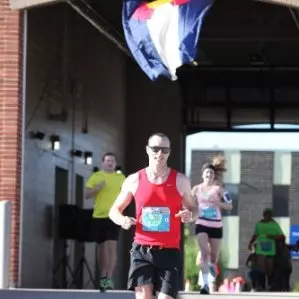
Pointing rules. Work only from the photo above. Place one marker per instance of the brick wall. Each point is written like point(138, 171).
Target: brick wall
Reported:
point(11, 120)
point(255, 195)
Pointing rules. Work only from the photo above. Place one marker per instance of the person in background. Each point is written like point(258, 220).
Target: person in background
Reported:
point(211, 198)
point(256, 276)
point(212, 278)
point(267, 232)
point(104, 186)
point(283, 265)
point(232, 285)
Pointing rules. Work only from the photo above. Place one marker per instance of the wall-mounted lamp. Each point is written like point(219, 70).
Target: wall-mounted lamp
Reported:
point(88, 158)
point(55, 142)
point(76, 153)
point(37, 135)
point(118, 169)
point(95, 169)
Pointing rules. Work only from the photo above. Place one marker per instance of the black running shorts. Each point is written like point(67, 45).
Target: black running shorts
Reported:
point(212, 232)
point(104, 229)
point(153, 265)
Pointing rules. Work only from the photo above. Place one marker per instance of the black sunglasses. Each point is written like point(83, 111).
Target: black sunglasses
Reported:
point(156, 149)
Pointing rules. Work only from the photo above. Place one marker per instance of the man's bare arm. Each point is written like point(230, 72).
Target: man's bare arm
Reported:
point(184, 188)
point(193, 193)
point(124, 199)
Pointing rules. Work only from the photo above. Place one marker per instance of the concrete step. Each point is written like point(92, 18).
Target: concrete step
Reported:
point(92, 294)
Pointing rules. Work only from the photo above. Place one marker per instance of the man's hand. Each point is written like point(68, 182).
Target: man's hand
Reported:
point(128, 222)
point(185, 215)
point(100, 185)
point(93, 191)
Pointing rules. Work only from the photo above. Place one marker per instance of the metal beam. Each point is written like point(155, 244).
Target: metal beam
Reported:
point(232, 105)
point(240, 77)
point(228, 106)
point(239, 68)
point(272, 108)
point(248, 40)
point(89, 14)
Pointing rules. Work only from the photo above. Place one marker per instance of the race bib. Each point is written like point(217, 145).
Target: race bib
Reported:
point(266, 246)
point(156, 219)
point(209, 213)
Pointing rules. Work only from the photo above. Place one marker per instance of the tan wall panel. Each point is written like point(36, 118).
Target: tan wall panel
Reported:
point(233, 165)
point(230, 243)
point(22, 4)
point(282, 171)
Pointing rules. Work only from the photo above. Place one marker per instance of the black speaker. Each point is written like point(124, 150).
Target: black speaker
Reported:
point(68, 222)
point(85, 230)
point(75, 223)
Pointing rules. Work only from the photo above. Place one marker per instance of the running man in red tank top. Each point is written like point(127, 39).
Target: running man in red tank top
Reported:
point(163, 200)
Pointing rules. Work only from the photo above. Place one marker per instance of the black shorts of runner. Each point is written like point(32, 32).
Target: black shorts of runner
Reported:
point(153, 265)
point(212, 232)
point(104, 229)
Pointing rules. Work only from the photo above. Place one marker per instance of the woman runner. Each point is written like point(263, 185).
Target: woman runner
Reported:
point(211, 198)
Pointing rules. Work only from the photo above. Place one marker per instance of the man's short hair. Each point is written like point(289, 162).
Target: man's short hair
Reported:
point(109, 154)
point(161, 135)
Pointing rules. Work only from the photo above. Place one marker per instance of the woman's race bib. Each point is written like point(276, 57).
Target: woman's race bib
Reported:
point(156, 219)
point(209, 213)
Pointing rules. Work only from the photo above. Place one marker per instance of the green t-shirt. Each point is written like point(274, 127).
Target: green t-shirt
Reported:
point(266, 246)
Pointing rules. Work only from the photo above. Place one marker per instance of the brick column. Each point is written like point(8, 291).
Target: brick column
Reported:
point(294, 205)
point(11, 122)
point(255, 194)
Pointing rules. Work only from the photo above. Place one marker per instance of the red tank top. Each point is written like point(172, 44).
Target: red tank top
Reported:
point(156, 206)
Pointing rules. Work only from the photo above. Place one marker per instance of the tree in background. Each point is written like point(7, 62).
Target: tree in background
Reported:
point(190, 253)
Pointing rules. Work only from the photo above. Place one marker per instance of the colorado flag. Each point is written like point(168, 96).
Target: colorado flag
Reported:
point(162, 35)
